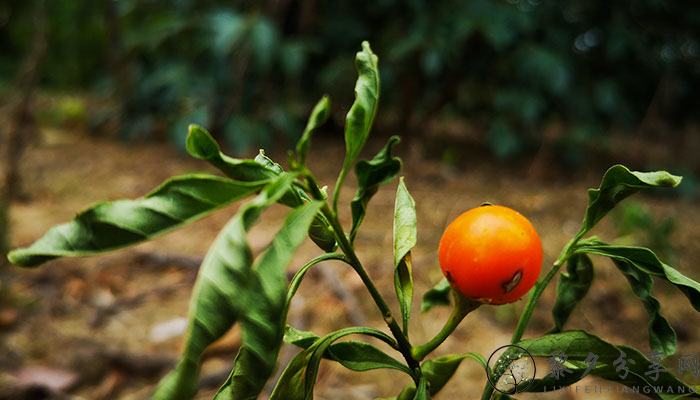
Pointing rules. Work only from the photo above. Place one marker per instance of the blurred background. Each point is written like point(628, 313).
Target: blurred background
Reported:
point(509, 76)
point(518, 102)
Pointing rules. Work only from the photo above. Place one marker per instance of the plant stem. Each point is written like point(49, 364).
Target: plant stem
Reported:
point(299, 275)
point(531, 303)
point(336, 189)
point(539, 289)
point(463, 306)
point(347, 248)
point(344, 244)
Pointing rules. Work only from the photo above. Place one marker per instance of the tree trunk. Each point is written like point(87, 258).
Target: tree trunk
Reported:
point(22, 126)
point(117, 60)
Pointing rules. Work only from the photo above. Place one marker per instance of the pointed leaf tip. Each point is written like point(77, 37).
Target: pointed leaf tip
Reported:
point(116, 224)
point(619, 183)
point(200, 144)
point(319, 116)
point(367, 49)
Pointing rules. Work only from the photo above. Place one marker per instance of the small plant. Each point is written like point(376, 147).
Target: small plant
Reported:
point(504, 256)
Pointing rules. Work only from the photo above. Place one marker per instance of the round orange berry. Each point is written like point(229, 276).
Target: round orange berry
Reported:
point(491, 254)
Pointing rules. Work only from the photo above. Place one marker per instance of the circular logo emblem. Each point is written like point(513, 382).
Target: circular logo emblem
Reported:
point(511, 369)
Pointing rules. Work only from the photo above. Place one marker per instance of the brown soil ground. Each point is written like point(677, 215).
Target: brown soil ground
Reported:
point(92, 319)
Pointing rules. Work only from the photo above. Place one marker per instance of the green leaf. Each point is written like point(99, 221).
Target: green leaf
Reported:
point(370, 175)
point(638, 264)
point(354, 355)
point(662, 337)
point(295, 196)
point(299, 338)
point(438, 371)
point(222, 292)
point(578, 345)
point(262, 324)
point(359, 119)
point(318, 117)
point(619, 183)
point(404, 240)
point(201, 145)
point(112, 225)
point(645, 260)
point(439, 295)
point(571, 288)
point(319, 231)
point(404, 223)
point(360, 356)
point(298, 379)
point(267, 162)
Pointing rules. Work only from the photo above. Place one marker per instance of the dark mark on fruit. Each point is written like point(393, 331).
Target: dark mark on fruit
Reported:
point(513, 282)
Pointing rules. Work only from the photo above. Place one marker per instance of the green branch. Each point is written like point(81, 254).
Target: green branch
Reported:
point(347, 248)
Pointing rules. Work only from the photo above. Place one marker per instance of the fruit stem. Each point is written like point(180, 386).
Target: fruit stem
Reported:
point(463, 306)
point(347, 248)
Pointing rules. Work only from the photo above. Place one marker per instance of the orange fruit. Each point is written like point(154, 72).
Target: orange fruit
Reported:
point(491, 254)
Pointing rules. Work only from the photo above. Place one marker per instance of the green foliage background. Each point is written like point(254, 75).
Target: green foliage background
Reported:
point(249, 69)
